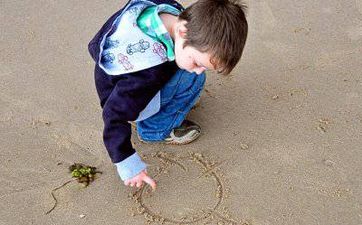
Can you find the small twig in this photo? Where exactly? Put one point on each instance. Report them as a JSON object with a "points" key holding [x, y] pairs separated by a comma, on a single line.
{"points": [[52, 193]]}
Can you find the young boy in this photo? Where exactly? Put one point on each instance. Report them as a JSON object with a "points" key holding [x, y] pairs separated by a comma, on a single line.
{"points": [[150, 62]]}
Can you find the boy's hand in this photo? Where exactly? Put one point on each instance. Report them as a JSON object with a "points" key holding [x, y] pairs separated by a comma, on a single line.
{"points": [[139, 179]]}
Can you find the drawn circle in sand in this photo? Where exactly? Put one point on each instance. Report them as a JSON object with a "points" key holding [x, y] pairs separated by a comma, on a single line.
{"points": [[196, 192]]}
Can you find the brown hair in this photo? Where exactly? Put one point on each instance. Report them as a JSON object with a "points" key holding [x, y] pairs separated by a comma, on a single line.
{"points": [[218, 27]]}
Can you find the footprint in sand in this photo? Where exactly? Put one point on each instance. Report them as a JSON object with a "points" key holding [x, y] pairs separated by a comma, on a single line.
{"points": [[190, 191]]}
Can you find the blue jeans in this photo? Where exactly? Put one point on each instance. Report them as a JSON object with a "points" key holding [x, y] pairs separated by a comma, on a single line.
{"points": [[178, 96]]}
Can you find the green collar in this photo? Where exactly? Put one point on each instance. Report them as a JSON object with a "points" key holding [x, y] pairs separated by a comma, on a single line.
{"points": [[151, 24]]}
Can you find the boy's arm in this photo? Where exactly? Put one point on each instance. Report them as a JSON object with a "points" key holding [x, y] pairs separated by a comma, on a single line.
{"points": [[128, 98], [120, 108]]}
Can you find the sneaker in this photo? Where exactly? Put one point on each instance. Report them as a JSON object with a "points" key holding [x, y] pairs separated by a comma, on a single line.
{"points": [[184, 134], [133, 124]]}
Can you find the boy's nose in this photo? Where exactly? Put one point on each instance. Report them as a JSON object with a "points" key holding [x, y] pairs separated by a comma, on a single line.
{"points": [[199, 70]]}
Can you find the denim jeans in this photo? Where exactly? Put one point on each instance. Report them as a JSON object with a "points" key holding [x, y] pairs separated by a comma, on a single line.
{"points": [[178, 96]]}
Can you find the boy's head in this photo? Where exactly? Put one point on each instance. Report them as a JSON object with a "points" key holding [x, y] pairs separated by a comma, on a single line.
{"points": [[211, 34]]}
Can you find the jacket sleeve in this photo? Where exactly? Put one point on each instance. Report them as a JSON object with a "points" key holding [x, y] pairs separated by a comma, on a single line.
{"points": [[124, 104], [130, 95]]}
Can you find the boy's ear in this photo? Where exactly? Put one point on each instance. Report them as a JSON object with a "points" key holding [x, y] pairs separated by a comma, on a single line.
{"points": [[181, 29]]}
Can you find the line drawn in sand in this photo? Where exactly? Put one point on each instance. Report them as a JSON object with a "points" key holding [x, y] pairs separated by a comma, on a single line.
{"points": [[210, 170]]}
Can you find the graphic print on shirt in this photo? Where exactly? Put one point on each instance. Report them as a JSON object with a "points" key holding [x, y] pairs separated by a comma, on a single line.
{"points": [[160, 50], [141, 46], [122, 59]]}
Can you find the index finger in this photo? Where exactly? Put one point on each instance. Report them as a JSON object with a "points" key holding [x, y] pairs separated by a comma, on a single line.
{"points": [[149, 181]]}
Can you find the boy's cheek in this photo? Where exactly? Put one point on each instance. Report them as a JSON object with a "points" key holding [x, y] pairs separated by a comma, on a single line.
{"points": [[179, 63], [182, 64]]}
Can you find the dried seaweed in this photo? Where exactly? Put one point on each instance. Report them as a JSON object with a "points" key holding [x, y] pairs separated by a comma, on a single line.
{"points": [[83, 173]]}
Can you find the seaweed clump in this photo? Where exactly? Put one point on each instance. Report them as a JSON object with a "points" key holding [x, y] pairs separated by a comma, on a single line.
{"points": [[85, 174]]}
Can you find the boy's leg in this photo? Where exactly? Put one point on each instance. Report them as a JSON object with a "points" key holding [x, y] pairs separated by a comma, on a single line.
{"points": [[178, 96]]}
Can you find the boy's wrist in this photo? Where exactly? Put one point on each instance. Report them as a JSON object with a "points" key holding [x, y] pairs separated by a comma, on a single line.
{"points": [[130, 167]]}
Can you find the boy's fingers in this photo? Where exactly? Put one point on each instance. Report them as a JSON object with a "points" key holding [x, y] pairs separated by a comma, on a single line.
{"points": [[139, 184], [149, 181], [127, 182]]}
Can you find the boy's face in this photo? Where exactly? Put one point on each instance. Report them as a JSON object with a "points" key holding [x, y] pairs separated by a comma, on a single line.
{"points": [[189, 58]]}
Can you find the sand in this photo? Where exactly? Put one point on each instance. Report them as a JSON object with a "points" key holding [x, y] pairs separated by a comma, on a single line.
{"points": [[281, 139]]}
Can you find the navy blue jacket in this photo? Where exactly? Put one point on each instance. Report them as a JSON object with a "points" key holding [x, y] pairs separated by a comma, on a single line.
{"points": [[123, 97]]}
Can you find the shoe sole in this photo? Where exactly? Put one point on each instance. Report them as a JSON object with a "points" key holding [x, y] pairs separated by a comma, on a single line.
{"points": [[169, 142]]}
